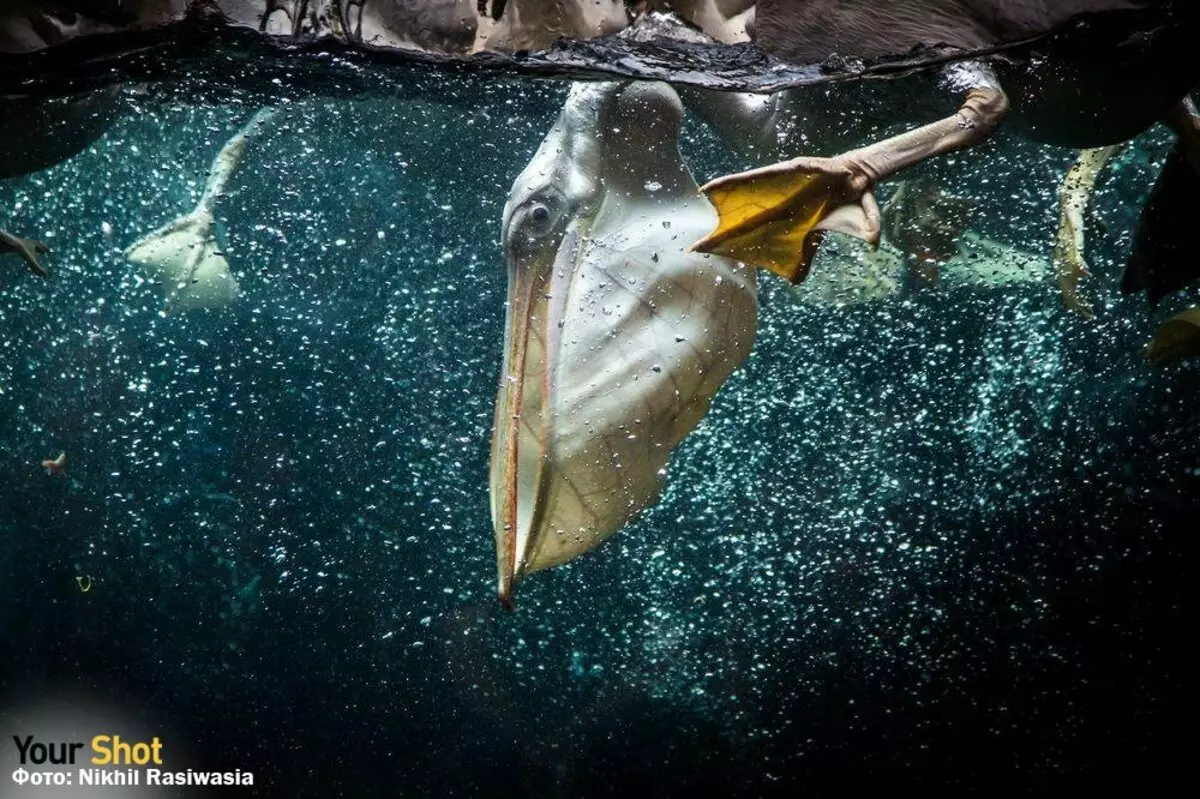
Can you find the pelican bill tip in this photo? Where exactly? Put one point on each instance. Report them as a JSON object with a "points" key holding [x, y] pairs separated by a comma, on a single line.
{"points": [[505, 595]]}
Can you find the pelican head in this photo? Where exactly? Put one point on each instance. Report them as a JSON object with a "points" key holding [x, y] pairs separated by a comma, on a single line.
{"points": [[617, 337]]}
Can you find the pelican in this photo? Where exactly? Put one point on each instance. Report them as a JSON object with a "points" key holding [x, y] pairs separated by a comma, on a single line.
{"points": [[535, 24], [616, 338]]}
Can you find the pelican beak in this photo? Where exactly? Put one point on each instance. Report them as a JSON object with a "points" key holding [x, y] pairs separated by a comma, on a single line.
{"points": [[522, 457]]}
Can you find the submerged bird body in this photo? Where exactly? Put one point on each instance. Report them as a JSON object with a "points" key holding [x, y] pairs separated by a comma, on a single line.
{"points": [[1090, 72], [36, 134], [809, 31]]}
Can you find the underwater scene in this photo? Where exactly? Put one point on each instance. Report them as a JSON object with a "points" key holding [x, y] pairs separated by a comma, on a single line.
{"points": [[384, 427]]}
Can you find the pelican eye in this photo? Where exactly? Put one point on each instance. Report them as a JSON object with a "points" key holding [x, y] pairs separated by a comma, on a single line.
{"points": [[538, 223], [540, 219], [543, 213]]}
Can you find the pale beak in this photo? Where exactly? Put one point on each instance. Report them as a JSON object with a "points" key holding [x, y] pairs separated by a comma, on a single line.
{"points": [[524, 433]]}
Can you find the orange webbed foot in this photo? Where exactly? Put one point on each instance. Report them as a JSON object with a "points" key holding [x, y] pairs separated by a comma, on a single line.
{"points": [[776, 216]]}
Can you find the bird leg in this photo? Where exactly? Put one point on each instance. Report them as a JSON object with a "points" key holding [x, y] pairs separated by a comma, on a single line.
{"points": [[29, 249], [775, 216], [1073, 198]]}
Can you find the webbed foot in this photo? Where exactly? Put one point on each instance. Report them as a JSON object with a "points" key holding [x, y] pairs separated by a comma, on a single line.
{"points": [[185, 257], [776, 216], [29, 249]]}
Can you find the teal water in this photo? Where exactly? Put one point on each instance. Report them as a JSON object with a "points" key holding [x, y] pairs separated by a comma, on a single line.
{"points": [[937, 539]]}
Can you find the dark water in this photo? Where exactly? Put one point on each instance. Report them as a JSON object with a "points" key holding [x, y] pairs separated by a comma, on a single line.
{"points": [[937, 541]]}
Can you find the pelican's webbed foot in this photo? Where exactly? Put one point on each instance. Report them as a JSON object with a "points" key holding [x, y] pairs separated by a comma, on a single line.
{"points": [[775, 217], [29, 249], [184, 255], [186, 258]]}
